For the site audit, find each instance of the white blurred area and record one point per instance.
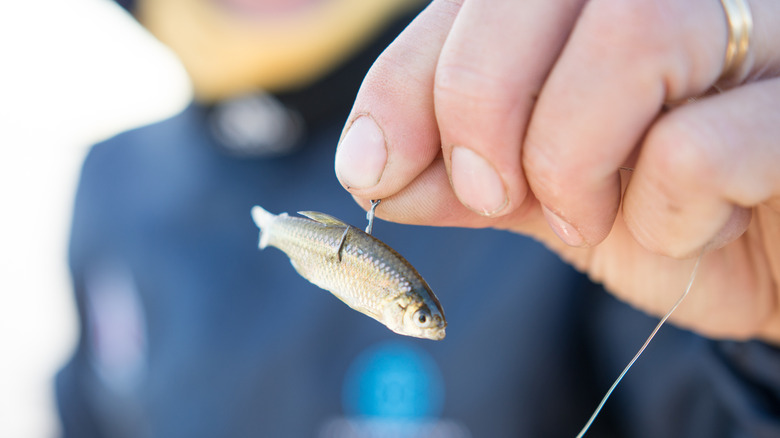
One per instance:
(71, 73)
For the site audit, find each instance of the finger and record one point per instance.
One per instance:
(429, 200)
(724, 151)
(391, 134)
(622, 62)
(764, 57)
(491, 67)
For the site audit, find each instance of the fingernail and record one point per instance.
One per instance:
(476, 182)
(563, 229)
(362, 154)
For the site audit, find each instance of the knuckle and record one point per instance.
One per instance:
(678, 152)
(635, 32)
(618, 21)
(393, 75)
(468, 87)
(551, 172)
(647, 38)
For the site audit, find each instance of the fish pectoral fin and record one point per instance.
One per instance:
(323, 218)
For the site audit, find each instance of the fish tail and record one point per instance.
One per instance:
(262, 219)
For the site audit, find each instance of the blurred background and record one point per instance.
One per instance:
(71, 73)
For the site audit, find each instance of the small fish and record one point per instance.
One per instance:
(357, 268)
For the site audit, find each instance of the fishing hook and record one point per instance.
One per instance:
(370, 215)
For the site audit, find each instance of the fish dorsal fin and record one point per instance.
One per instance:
(323, 218)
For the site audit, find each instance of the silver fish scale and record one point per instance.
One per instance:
(368, 275)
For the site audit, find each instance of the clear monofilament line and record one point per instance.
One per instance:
(642, 349)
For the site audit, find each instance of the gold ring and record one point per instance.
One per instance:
(740, 23)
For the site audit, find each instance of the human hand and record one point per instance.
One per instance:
(520, 115)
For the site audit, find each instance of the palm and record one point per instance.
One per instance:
(735, 293)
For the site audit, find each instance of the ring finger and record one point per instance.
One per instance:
(622, 62)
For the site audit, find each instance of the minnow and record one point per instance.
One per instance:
(356, 267)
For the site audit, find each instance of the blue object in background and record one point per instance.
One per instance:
(393, 381)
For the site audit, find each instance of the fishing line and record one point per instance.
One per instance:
(642, 349)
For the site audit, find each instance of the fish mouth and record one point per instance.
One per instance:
(434, 334)
(437, 332)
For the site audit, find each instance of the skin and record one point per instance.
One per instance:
(520, 116)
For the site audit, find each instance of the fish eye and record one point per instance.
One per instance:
(422, 318)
